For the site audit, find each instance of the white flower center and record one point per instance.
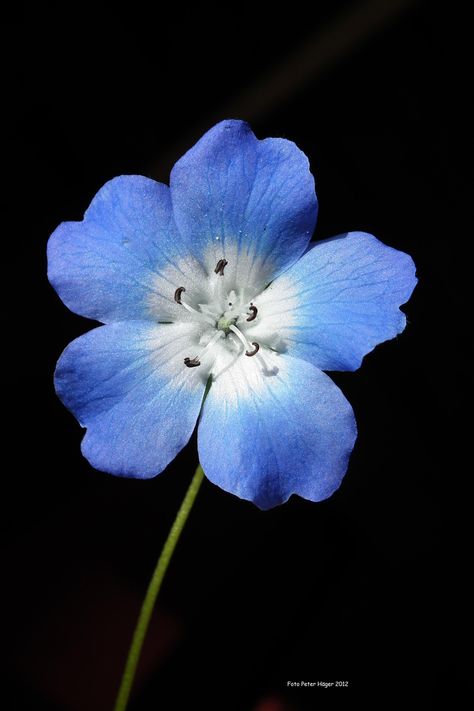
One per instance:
(225, 319)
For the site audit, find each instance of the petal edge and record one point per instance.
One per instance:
(276, 427)
(127, 384)
(339, 300)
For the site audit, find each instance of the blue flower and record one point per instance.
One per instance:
(210, 285)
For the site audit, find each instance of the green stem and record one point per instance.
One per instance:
(153, 590)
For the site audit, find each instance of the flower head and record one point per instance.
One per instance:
(217, 309)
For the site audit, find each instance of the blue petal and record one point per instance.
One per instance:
(251, 202)
(126, 258)
(339, 301)
(273, 426)
(126, 382)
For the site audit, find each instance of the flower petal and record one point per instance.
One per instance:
(273, 426)
(338, 302)
(126, 382)
(126, 258)
(248, 201)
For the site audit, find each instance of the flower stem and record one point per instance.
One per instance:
(153, 590)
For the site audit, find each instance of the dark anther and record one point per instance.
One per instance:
(254, 313)
(255, 350)
(192, 362)
(220, 266)
(177, 294)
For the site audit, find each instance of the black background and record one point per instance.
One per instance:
(365, 587)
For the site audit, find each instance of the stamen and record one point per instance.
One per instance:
(200, 316)
(255, 351)
(192, 362)
(254, 313)
(177, 295)
(248, 350)
(220, 266)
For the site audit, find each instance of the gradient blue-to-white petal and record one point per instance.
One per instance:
(248, 201)
(127, 383)
(272, 426)
(338, 301)
(126, 258)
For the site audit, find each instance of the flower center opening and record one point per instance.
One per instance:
(225, 323)
(227, 313)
